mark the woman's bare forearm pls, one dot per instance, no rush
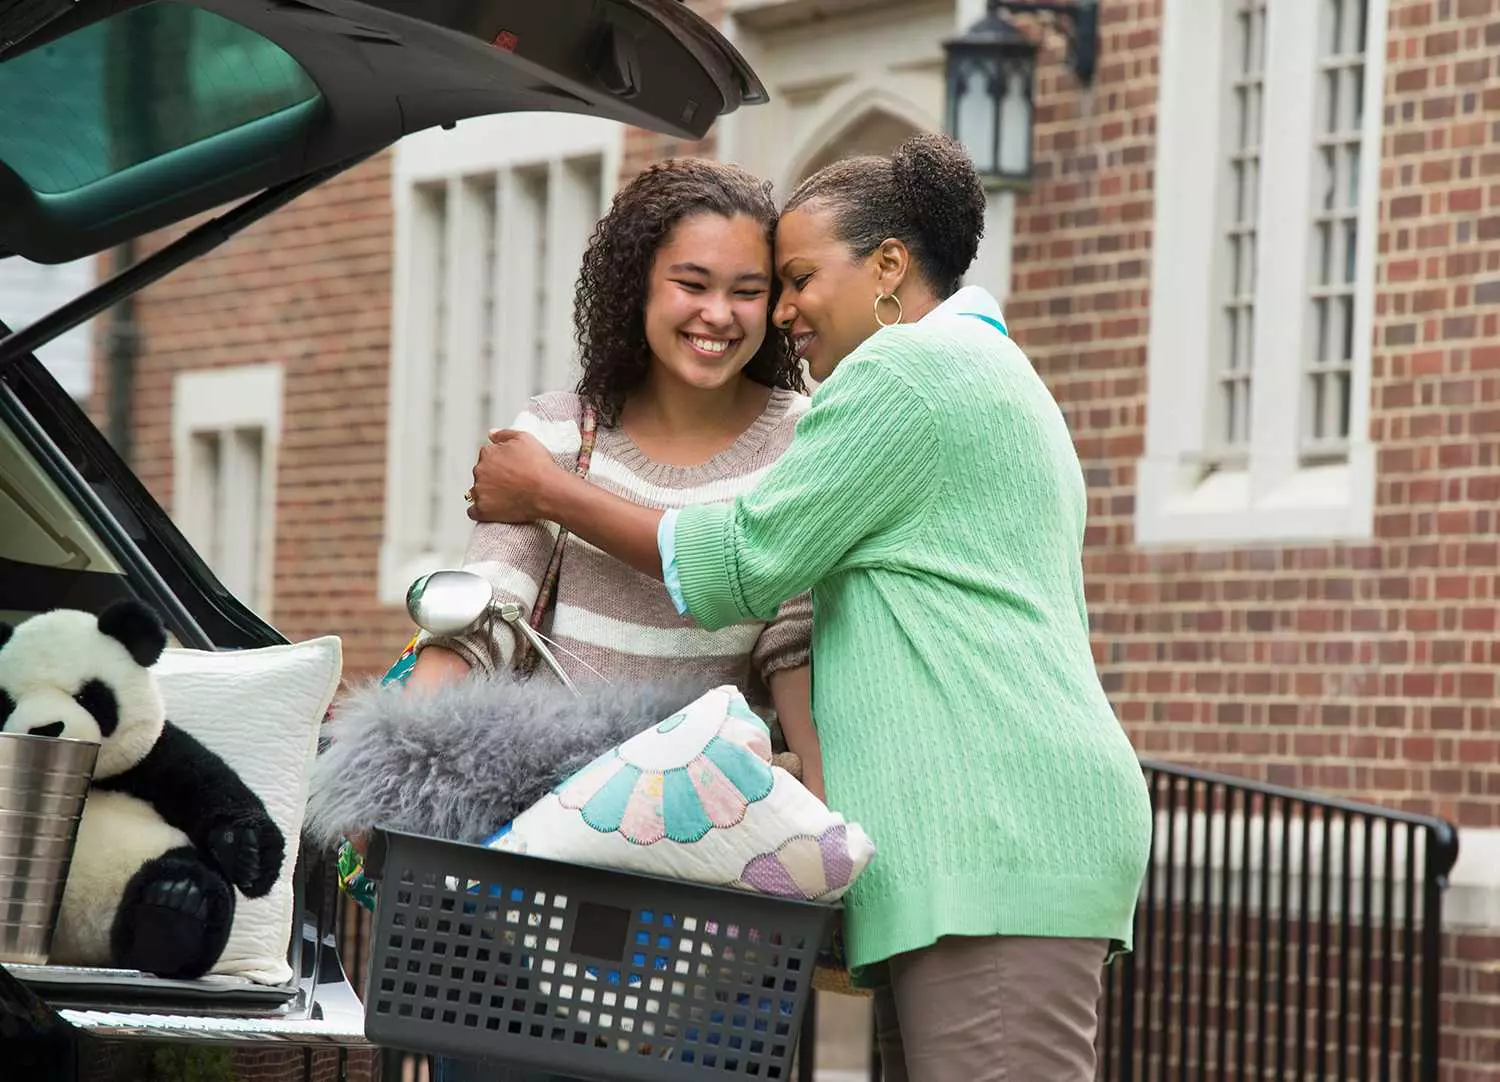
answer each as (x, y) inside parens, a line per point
(625, 530)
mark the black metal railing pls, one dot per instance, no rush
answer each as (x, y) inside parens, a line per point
(1280, 936)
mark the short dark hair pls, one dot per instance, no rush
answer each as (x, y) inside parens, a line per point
(609, 311)
(926, 195)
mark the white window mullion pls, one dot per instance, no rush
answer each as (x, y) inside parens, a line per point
(1191, 142)
(1336, 237)
(221, 550)
(491, 350)
(262, 462)
(1361, 452)
(1282, 276)
(510, 373)
(520, 275)
(1233, 342)
(456, 414)
(560, 271)
(197, 502)
(578, 196)
(421, 341)
(240, 485)
(539, 195)
(404, 474)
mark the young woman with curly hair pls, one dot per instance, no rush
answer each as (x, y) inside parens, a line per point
(934, 504)
(693, 399)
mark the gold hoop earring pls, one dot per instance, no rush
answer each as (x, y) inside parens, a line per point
(899, 313)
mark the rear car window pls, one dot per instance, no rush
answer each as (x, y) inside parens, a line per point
(143, 85)
(49, 557)
(78, 530)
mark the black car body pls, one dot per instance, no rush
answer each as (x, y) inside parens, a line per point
(120, 117)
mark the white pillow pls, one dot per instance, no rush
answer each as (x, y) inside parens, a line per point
(697, 798)
(258, 710)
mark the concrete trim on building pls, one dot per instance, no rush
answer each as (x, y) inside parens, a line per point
(1271, 496)
(491, 220)
(209, 500)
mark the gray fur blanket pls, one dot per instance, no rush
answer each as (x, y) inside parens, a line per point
(458, 762)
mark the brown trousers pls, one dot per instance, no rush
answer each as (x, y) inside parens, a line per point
(1000, 1009)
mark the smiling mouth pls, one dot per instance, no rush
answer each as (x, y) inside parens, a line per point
(713, 347)
(801, 342)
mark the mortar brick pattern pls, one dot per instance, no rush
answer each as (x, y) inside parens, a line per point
(308, 287)
(1365, 669)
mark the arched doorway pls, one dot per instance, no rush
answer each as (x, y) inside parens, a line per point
(876, 131)
(879, 127)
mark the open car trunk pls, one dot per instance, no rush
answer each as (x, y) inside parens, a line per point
(122, 117)
(79, 530)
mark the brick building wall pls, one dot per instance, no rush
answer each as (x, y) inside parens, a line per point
(1365, 669)
(309, 287)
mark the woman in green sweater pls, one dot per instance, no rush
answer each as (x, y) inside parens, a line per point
(933, 501)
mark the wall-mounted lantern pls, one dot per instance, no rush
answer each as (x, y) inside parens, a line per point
(991, 80)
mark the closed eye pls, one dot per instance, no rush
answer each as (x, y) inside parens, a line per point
(692, 287)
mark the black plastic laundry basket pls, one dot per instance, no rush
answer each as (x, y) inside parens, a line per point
(485, 955)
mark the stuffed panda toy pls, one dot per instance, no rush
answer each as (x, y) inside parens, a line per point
(168, 829)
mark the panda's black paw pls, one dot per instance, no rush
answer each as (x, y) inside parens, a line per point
(185, 897)
(174, 917)
(250, 851)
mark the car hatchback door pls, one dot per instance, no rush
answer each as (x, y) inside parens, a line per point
(122, 116)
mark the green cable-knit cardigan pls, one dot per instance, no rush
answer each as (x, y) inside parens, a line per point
(933, 501)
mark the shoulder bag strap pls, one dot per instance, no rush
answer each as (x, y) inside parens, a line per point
(526, 657)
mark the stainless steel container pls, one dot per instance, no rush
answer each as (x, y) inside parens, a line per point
(43, 783)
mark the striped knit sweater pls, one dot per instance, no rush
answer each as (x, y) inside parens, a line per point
(616, 620)
(934, 503)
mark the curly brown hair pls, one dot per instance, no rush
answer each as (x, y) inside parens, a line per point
(926, 195)
(609, 310)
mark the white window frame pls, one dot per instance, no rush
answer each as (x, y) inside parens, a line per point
(28, 291)
(481, 159)
(220, 402)
(1272, 495)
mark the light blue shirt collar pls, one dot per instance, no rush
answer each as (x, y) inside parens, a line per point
(968, 301)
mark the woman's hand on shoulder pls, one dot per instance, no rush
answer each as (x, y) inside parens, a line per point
(512, 478)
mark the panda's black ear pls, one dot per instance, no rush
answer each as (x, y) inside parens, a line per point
(6, 631)
(137, 628)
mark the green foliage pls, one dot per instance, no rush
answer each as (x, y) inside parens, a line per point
(188, 1063)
